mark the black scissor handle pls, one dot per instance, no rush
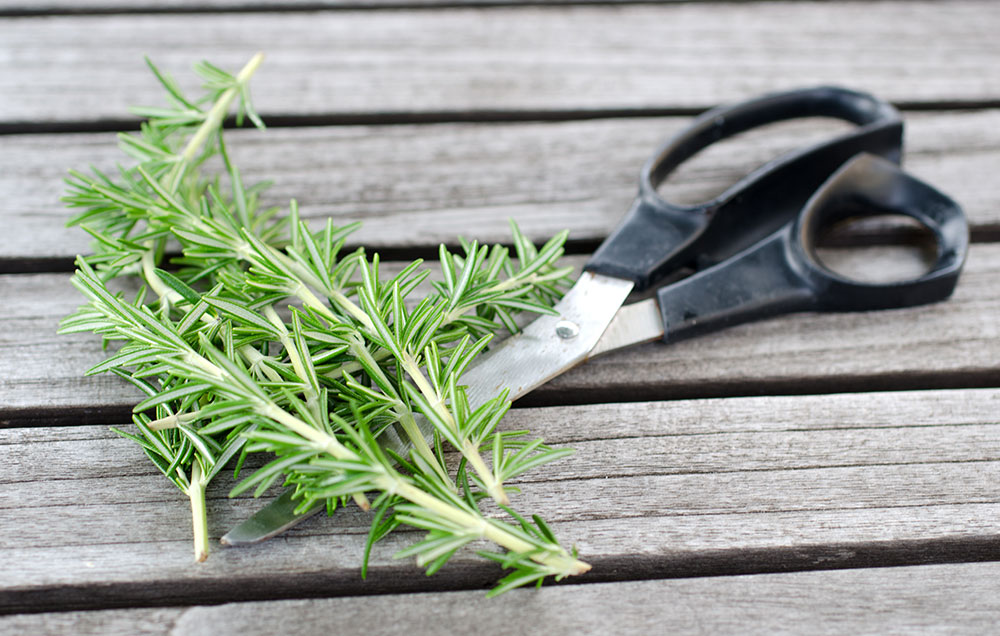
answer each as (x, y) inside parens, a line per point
(657, 237)
(782, 274)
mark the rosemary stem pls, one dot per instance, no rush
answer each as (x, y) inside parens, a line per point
(354, 366)
(561, 562)
(390, 481)
(501, 286)
(256, 361)
(420, 445)
(310, 299)
(164, 423)
(322, 439)
(312, 399)
(356, 312)
(307, 279)
(218, 111)
(199, 514)
(496, 490)
(269, 409)
(152, 279)
(468, 450)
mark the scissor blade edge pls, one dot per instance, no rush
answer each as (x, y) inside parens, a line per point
(633, 324)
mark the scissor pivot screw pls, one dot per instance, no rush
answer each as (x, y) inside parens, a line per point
(567, 329)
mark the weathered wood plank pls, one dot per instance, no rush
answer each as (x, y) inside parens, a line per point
(132, 622)
(162, 573)
(675, 489)
(935, 599)
(931, 599)
(727, 476)
(526, 59)
(665, 461)
(942, 345)
(417, 186)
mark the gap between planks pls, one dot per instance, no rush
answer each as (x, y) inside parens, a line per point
(19, 8)
(407, 118)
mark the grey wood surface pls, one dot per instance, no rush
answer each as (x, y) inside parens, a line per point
(414, 186)
(936, 599)
(656, 489)
(525, 59)
(854, 441)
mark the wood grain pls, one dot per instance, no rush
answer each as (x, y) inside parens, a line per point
(705, 487)
(133, 622)
(416, 186)
(506, 60)
(941, 345)
(934, 599)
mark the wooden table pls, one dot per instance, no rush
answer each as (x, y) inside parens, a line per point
(815, 473)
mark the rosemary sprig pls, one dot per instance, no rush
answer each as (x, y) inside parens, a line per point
(227, 372)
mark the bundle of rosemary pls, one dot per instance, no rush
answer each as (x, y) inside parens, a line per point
(265, 335)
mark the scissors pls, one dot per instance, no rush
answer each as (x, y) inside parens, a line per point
(753, 250)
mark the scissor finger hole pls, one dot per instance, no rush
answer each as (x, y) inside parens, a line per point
(883, 248)
(712, 170)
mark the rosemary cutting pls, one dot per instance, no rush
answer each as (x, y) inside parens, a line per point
(266, 335)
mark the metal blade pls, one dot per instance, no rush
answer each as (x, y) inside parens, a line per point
(633, 324)
(271, 520)
(551, 344)
(544, 349)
